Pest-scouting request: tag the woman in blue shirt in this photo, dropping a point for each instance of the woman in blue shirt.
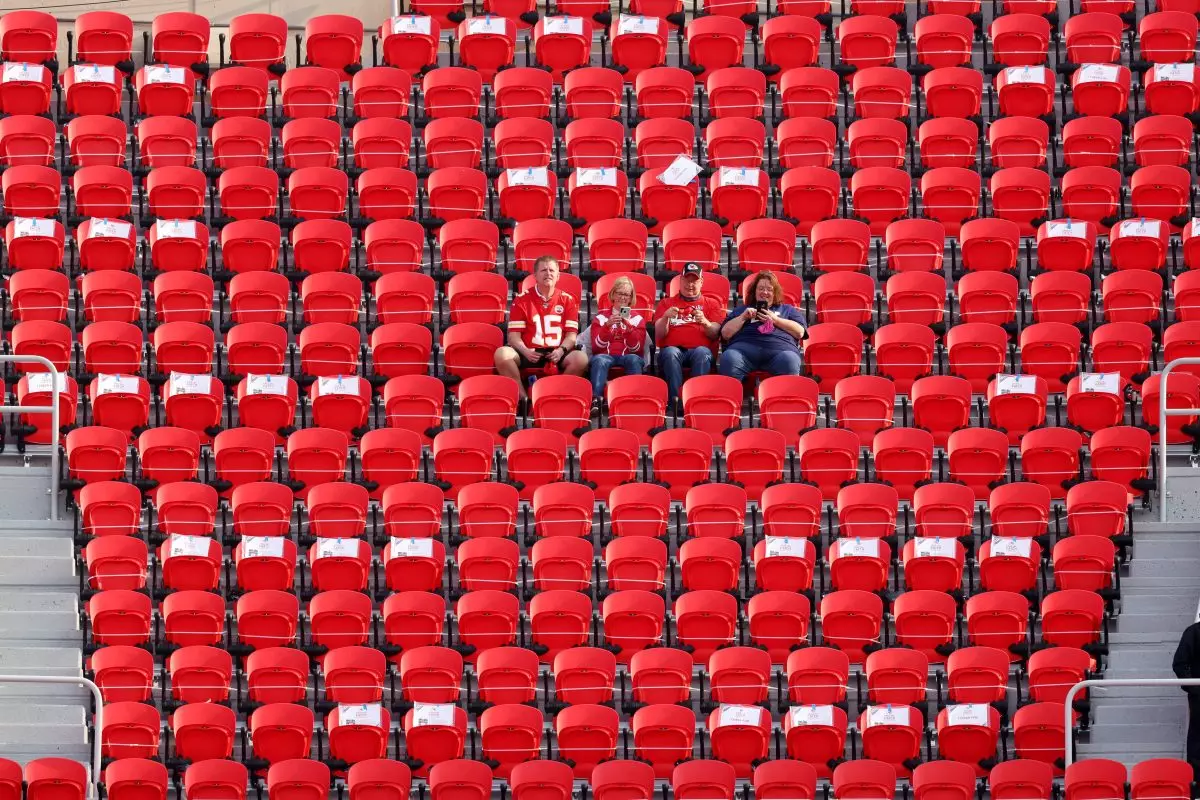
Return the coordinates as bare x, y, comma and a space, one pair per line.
764, 334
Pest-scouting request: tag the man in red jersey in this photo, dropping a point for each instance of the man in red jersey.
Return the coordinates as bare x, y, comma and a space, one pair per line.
542, 328
685, 331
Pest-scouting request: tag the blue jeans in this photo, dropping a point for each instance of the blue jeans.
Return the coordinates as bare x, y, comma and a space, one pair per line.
602, 363
742, 358
671, 361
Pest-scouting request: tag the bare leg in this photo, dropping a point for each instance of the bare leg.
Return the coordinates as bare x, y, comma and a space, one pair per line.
508, 364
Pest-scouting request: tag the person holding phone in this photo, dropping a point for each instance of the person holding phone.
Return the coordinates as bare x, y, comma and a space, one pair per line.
618, 338
763, 334
542, 327
686, 331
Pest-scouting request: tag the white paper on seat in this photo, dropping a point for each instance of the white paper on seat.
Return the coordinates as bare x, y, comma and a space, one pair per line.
572, 26
887, 715
1195, 229
968, 714
811, 715
95, 73
739, 176
1014, 75
175, 229
486, 24
637, 24
40, 382
1175, 72
861, 548
681, 172
1140, 227
337, 548
411, 548
596, 177
1010, 546
262, 547
412, 24
528, 176
267, 384
20, 72
109, 229
786, 546
116, 384
1097, 73
187, 383
161, 73
934, 547
1100, 382
360, 714
425, 714
1016, 384
1067, 229
337, 384
739, 715
32, 226
189, 546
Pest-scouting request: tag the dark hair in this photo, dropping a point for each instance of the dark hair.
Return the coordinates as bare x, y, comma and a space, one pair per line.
751, 287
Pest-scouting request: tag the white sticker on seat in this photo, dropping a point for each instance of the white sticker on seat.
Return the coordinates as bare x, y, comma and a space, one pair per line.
811, 715
1067, 229
934, 547
572, 26
175, 229
1097, 73
968, 714
32, 226
95, 73
425, 714
528, 176
117, 384
161, 73
267, 384
41, 382
1150, 228
738, 176
195, 546
411, 548
739, 715
1175, 72
1016, 384
20, 72
1100, 382
785, 546
637, 24
682, 171
368, 714
262, 546
596, 177
856, 548
486, 24
887, 715
1010, 546
337, 548
337, 384
1014, 75
419, 26
186, 383
109, 229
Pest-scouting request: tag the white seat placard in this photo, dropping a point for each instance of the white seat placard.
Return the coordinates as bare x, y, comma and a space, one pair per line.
1097, 73
267, 384
1175, 72
369, 714
968, 714
486, 24
426, 714
739, 176
1010, 546
1014, 75
41, 382
596, 177
411, 548
337, 384
528, 176
95, 73
32, 226
637, 24
20, 72
887, 715
413, 24
182, 383
195, 546
1067, 229
811, 715
856, 548
681, 172
934, 547
783, 546
175, 229
1140, 227
1100, 382
162, 73
1016, 384
109, 229
262, 546
739, 715
572, 26
117, 384
338, 548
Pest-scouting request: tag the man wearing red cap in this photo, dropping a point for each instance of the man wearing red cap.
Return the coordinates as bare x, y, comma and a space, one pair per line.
685, 332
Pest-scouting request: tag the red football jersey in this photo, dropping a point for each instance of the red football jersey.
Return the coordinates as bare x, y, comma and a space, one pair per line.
544, 322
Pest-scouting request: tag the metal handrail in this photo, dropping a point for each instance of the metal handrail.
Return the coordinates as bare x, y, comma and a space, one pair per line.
52, 410
1163, 413
94, 777
1068, 721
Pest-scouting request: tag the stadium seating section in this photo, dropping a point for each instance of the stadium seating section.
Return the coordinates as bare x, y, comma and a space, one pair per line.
323, 545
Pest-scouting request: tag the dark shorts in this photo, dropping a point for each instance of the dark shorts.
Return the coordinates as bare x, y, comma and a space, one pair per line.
528, 366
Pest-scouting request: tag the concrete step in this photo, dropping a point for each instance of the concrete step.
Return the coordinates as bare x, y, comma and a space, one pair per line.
42, 563
64, 662
39, 724
39, 619
26, 492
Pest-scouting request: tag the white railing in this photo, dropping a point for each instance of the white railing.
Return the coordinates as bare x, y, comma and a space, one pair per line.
98, 699
1163, 414
1068, 714
52, 410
